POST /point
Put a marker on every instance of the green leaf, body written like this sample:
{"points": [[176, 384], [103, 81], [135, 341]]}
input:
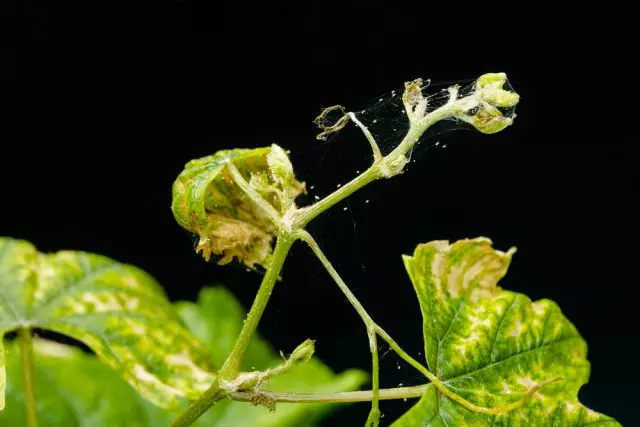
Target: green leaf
{"points": [[207, 201], [97, 398], [73, 389], [118, 310], [492, 346]]}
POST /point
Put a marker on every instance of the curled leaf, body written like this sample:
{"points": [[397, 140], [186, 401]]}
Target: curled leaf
{"points": [[118, 310], [327, 126], [208, 202], [493, 347]]}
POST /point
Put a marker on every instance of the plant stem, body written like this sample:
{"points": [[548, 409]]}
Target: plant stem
{"points": [[26, 356], [231, 367], [377, 155], [381, 165], [403, 354], [418, 128], [304, 235], [373, 419], [372, 327], [368, 321], [304, 215], [256, 198], [342, 397], [200, 406]]}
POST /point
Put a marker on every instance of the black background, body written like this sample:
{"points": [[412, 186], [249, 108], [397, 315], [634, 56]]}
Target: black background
{"points": [[107, 103]]}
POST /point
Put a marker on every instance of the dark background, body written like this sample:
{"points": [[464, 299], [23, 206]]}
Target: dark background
{"points": [[107, 103]]}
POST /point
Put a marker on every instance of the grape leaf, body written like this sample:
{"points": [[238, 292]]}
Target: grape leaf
{"points": [[118, 310], [207, 201], [491, 346], [97, 398], [73, 389]]}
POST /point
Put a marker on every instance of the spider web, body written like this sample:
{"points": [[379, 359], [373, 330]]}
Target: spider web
{"points": [[385, 116]]}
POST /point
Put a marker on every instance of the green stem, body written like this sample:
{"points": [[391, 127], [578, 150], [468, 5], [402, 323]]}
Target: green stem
{"points": [[341, 397], [231, 367], [256, 198], [304, 215], [383, 167], [403, 354], [419, 127], [377, 155], [200, 406], [26, 356], [373, 419], [368, 321], [304, 235]]}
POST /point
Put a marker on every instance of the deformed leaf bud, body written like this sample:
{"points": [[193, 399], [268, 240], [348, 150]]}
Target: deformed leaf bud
{"points": [[303, 352], [490, 88], [482, 108]]}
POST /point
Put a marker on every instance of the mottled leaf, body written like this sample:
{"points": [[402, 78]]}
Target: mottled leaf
{"points": [[208, 202], [118, 310], [492, 346], [97, 398]]}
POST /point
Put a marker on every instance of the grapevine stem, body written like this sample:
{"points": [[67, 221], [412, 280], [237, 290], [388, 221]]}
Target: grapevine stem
{"points": [[373, 420], [26, 355], [377, 155], [342, 397], [231, 367]]}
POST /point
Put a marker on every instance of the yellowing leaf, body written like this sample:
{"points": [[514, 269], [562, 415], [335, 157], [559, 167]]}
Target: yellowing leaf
{"points": [[73, 389], [208, 202], [492, 346], [118, 310]]}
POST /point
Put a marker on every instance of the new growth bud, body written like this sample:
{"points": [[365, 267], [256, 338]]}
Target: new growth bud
{"points": [[489, 86], [303, 352], [488, 97]]}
